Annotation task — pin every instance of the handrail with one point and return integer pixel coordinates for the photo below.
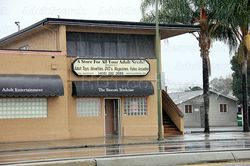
(164, 94)
(172, 111)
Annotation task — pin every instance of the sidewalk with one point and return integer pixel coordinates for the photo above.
(76, 143)
(139, 151)
(114, 141)
(214, 129)
(213, 136)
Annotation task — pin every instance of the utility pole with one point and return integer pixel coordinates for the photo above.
(158, 58)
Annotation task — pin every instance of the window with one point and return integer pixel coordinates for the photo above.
(223, 108)
(188, 109)
(88, 107)
(23, 108)
(135, 106)
(118, 46)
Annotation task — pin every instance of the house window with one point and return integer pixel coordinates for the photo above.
(135, 106)
(188, 109)
(11, 108)
(117, 46)
(88, 107)
(223, 108)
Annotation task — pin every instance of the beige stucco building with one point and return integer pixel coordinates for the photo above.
(65, 79)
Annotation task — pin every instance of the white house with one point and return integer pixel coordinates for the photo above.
(222, 108)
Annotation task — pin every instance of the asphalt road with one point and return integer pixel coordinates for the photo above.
(37, 155)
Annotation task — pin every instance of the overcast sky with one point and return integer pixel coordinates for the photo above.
(180, 54)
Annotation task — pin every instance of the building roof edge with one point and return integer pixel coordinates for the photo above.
(100, 23)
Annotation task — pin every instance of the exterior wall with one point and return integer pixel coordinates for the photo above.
(142, 125)
(130, 125)
(44, 39)
(62, 122)
(55, 126)
(192, 119)
(218, 118)
(84, 127)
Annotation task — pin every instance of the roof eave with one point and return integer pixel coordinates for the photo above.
(107, 24)
(178, 28)
(23, 31)
(226, 96)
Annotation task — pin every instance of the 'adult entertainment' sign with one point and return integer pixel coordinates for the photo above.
(104, 67)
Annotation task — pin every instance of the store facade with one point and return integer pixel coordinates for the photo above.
(63, 78)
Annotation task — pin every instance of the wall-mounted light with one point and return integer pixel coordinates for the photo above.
(18, 25)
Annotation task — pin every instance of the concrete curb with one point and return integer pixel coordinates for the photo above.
(85, 162)
(153, 160)
(241, 155)
(166, 159)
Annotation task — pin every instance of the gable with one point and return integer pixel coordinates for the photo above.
(221, 99)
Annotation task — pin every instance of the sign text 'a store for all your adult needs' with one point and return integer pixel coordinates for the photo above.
(104, 67)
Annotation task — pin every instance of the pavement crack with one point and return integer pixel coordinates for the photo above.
(233, 156)
(95, 161)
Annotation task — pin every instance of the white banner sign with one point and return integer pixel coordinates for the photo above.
(104, 67)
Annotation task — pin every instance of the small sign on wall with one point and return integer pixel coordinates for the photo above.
(105, 67)
(196, 109)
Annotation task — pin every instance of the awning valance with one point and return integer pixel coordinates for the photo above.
(112, 88)
(16, 85)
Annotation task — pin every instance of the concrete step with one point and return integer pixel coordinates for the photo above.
(167, 121)
(170, 130)
(169, 126)
(172, 134)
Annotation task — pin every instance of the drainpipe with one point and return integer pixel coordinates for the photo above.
(158, 58)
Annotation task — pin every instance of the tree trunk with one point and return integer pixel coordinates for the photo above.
(205, 92)
(204, 43)
(245, 93)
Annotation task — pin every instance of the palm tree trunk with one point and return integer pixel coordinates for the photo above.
(204, 43)
(205, 71)
(245, 93)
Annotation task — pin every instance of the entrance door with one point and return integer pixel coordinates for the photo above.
(202, 114)
(112, 118)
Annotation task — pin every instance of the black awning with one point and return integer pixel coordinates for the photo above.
(112, 88)
(12, 85)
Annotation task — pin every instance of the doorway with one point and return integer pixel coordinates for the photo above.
(112, 117)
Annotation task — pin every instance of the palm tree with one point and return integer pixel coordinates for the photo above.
(236, 14)
(191, 12)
